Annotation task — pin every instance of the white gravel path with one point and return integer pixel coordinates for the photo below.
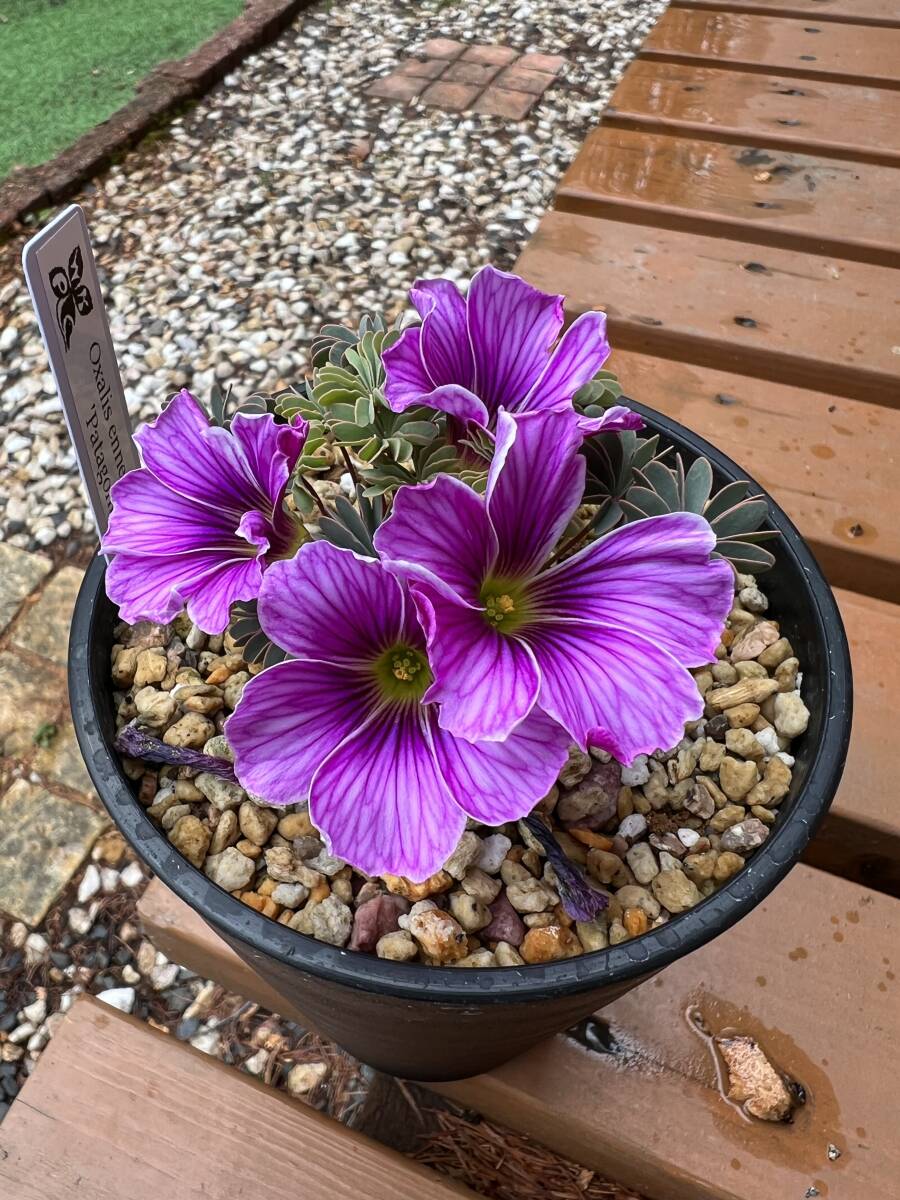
(286, 197)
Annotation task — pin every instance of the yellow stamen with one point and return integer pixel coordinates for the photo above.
(499, 607)
(405, 669)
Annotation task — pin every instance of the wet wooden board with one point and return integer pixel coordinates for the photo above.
(118, 1111)
(807, 320)
(826, 459)
(798, 201)
(811, 973)
(856, 54)
(860, 838)
(854, 12)
(768, 110)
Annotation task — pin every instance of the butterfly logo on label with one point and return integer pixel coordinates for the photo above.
(72, 297)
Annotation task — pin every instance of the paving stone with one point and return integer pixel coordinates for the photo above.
(29, 699)
(551, 63)
(470, 72)
(60, 761)
(430, 68)
(443, 48)
(498, 55)
(517, 79)
(398, 87)
(452, 96)
(20, 574)
(44, 629)
(44, 839)
(498, 102)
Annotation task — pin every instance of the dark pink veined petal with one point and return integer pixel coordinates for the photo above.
(495, 782)
(330, 604)
(405, 379)
(196, 459)
(155, 589)
(654, 577)
(442, 527)
(616, 419)
(149, 518)
(611, 688)
(485, 681)
(511, 327)
(445, 347)
(582, 351)
(535, 484)
(381, 801)
(407, 383)
(289, 718)
(256, 531)
(211, 597)
(270, 450)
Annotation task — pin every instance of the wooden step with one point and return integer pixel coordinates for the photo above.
(817, 322)
(768, 111)
(853, 12)
(798, 201)
(861, 835)
(855, 54)
(827, 460)
(119, 1111)
(811, 974)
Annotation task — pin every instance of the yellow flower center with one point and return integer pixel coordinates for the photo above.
(499, 608)
(506, 607)
(403, 673)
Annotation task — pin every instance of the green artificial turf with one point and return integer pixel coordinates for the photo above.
(66, 65)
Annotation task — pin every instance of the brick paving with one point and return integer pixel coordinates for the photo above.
(49, 815)
(495, 80)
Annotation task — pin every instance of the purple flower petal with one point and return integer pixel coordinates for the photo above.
(580, 900)
(581, 353)
(149, 518)
(485, 681)
(389, 763)
(332, 605)
(535, 483)
(211, 597)
(270, 450)
(288, 719)
(611, 688)
(406, 380)
(512, 327)
(654, 577)
(196, 459)
(441, 527)
(614, 420)
(494, 782)
(156, 589)
(445, 347)
(137, 743)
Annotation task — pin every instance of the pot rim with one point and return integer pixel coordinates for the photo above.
(642, 956)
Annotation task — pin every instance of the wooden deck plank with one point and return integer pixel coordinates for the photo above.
(827, 460)
(796, 201)
(811, 974)
(852, 12)
(768, 111)
(118, 1111)
(810, 321)
(855, 54)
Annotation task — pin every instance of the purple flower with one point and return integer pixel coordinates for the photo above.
(345, 723)
(495, 349)
(600, 642)
(203, 518)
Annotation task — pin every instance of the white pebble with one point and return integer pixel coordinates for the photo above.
(492, 853)
(90, 884)
(120, 998)
(132, 876)
(637, 774)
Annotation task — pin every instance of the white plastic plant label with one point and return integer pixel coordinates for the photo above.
(62, 279)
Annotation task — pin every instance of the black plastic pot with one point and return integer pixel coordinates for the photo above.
(434, 1023)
